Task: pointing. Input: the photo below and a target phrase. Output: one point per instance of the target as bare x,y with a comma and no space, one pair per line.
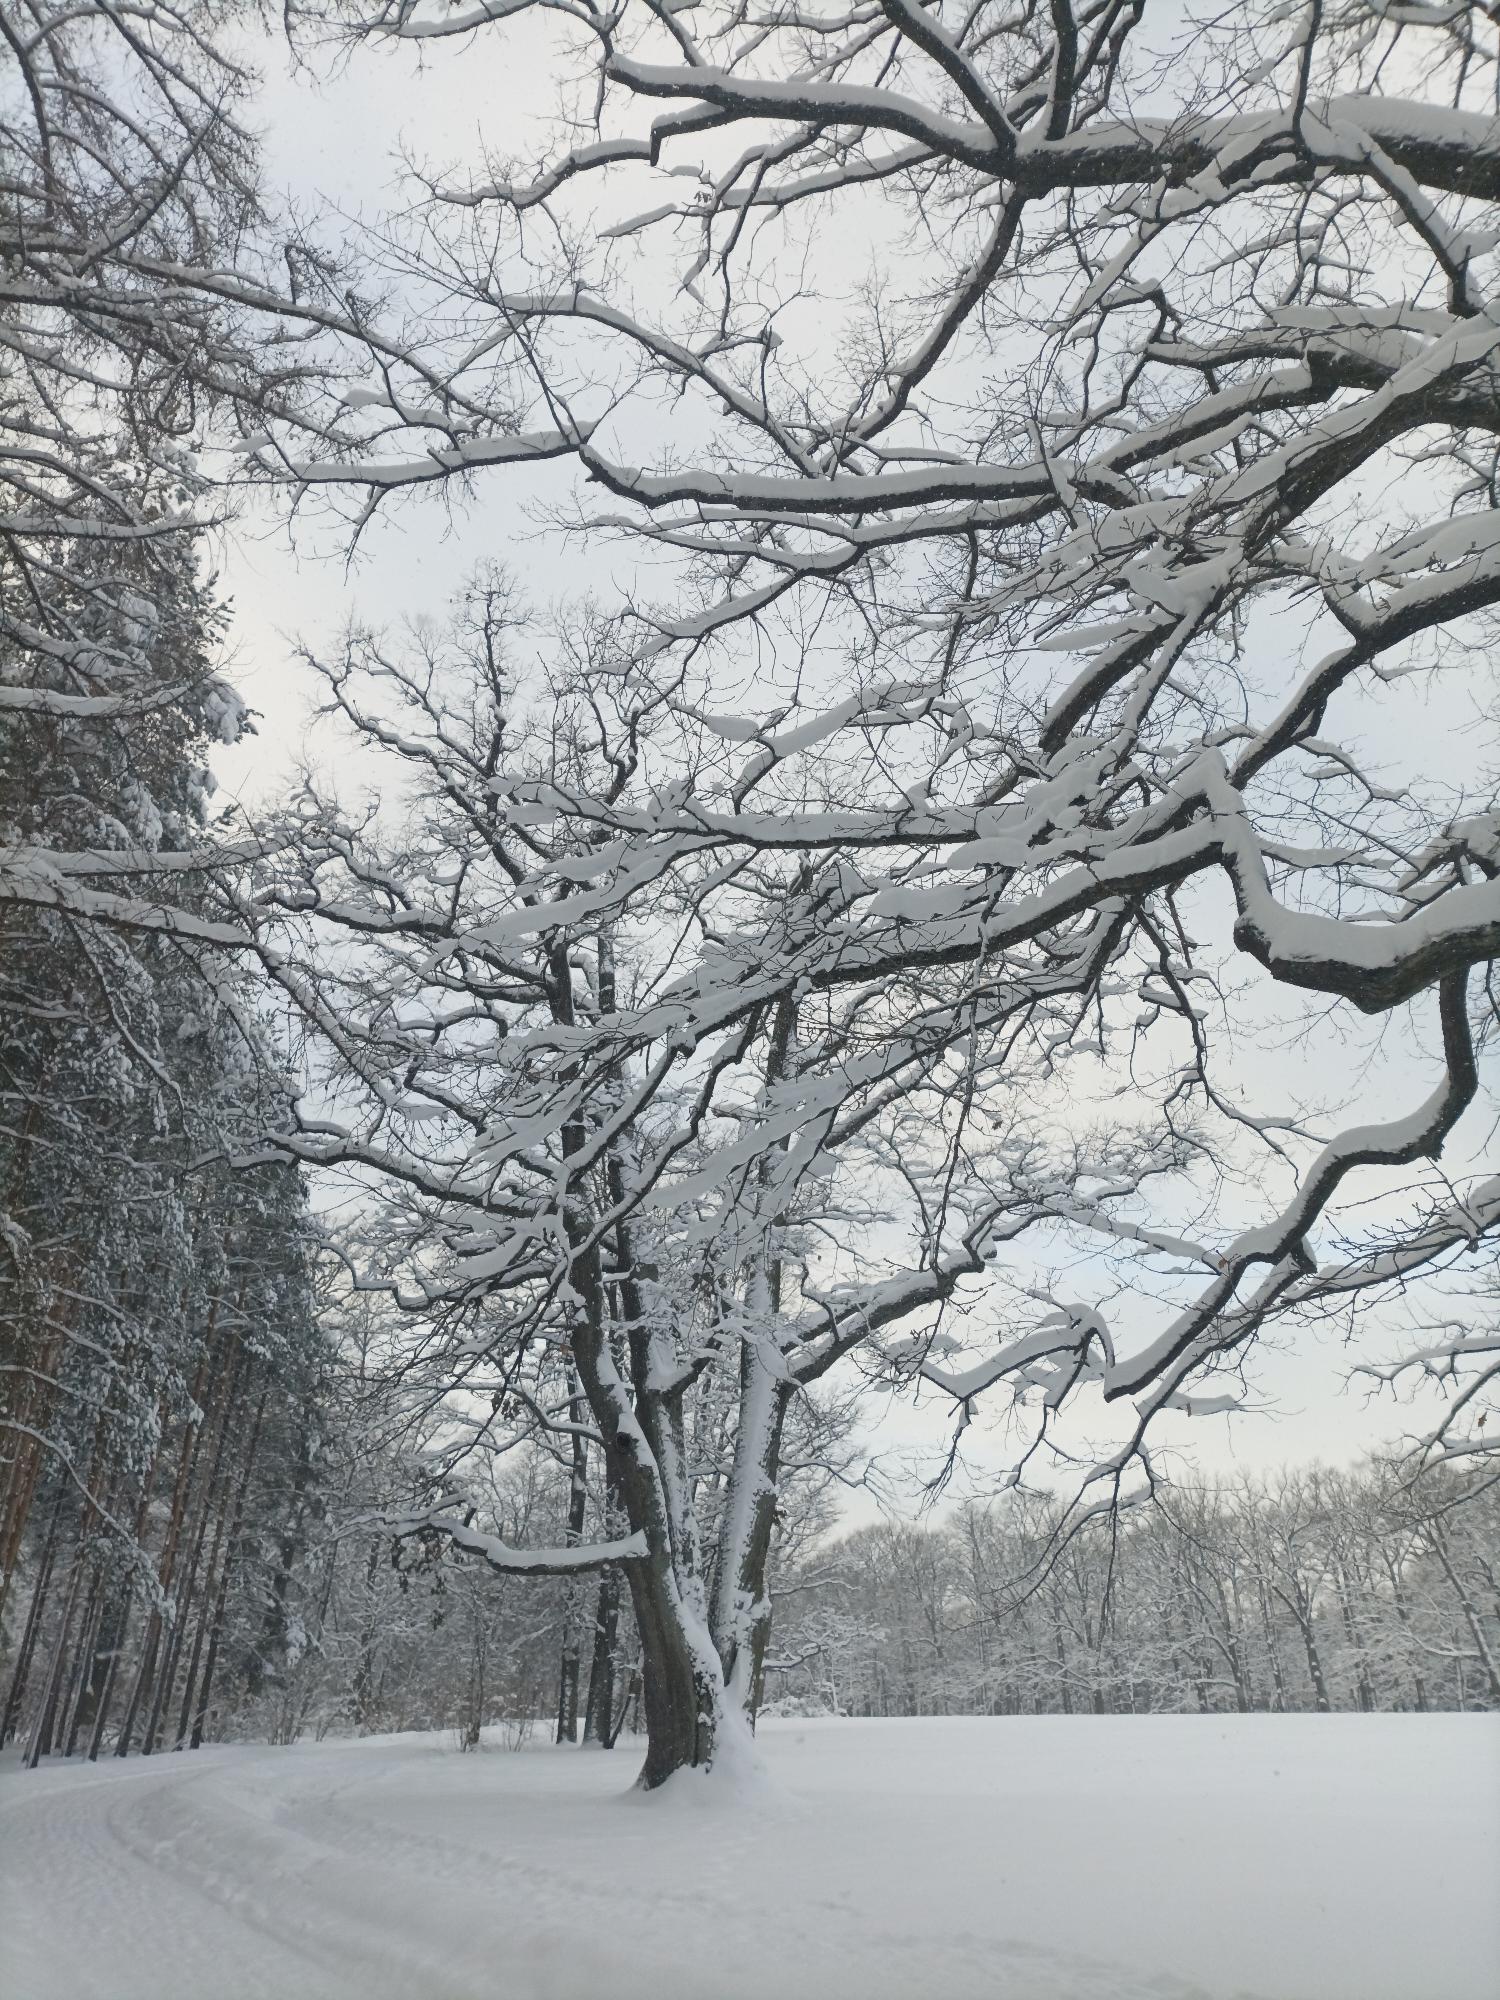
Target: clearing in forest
1297,1857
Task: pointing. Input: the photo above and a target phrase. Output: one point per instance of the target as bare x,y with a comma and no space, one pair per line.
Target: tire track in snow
74,1880
732,1946
312,1875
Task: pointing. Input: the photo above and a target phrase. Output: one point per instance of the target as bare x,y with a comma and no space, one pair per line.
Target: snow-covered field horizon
1345,1857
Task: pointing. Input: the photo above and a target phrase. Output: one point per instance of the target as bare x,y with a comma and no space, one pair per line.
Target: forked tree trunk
640,1425
682,1691
645,1462
692,1718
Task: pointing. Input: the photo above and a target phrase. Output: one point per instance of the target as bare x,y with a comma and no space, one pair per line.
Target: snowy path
1169,1858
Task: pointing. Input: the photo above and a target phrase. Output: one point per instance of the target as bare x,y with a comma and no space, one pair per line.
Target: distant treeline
1311,1589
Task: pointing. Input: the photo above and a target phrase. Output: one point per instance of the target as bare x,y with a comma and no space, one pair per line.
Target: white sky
335,143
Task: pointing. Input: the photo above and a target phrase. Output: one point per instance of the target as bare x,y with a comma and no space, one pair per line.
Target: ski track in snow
1095,1858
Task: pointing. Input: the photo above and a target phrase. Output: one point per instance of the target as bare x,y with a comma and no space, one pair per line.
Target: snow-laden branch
500,1556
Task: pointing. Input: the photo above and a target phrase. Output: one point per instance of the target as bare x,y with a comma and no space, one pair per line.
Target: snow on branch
852,938
500,1555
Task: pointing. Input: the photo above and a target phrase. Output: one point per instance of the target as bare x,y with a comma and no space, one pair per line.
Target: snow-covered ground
1291,1857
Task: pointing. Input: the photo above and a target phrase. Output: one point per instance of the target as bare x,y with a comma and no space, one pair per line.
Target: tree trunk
118,1626
1268,1629
578,1492
87,1670
1364,1693
184,1595
236,1531
186,1464
1403,1613
15,1698
598,1717
1303,1614
1438,1541
1064,1687
742,1604
120,1615
362,1684
683,1683
42,1730
205,1619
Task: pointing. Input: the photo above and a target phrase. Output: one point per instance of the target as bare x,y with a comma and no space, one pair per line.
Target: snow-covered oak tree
592,1258
1056,462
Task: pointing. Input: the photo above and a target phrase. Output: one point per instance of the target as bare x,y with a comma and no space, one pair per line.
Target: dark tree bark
187,1461
236,1532
578,1494
598,1719
16,1694
208,1495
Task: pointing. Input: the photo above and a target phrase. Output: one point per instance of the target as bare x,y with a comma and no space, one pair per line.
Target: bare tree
1368,1603
993,761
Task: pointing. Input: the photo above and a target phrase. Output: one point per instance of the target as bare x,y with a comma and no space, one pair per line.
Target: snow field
1050,1858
